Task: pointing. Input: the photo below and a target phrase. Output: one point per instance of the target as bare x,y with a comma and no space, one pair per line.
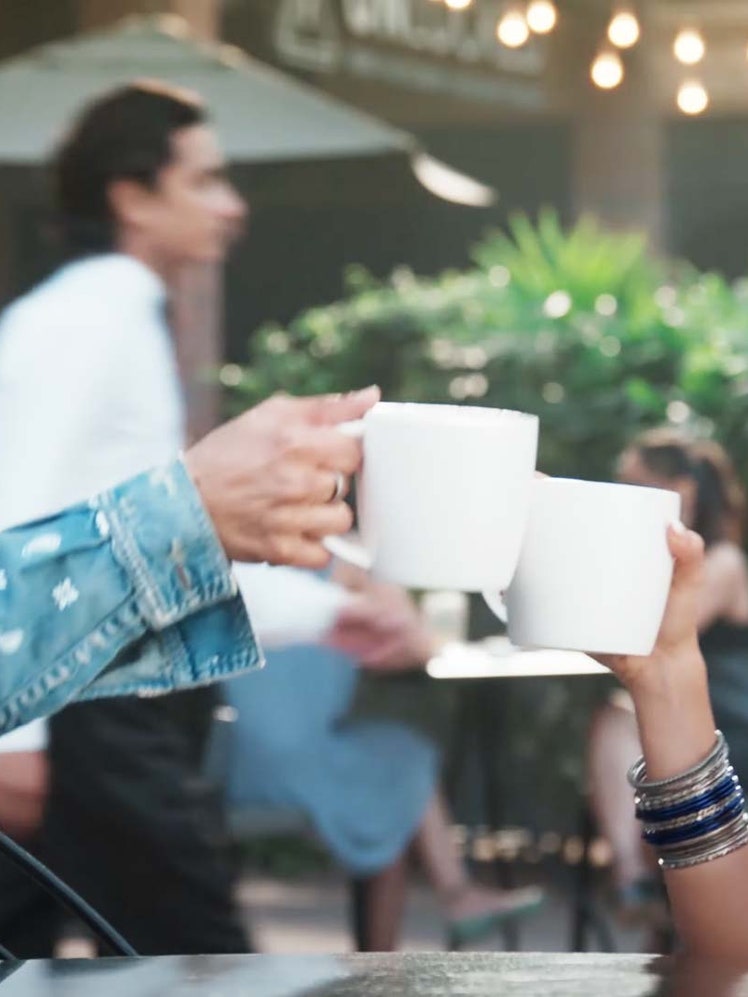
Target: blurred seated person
713,505
369,784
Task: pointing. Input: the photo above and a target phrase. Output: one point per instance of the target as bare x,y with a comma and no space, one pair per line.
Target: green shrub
583,328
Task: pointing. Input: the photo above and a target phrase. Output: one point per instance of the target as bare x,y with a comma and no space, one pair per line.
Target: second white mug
595,570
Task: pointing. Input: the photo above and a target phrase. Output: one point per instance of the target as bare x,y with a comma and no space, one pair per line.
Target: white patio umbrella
261,114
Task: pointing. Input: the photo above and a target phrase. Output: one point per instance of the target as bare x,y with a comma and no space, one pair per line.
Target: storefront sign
335,35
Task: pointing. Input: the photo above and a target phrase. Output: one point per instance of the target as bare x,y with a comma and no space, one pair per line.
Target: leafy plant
583,328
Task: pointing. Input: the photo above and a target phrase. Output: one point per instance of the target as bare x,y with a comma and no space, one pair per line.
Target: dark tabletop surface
402,975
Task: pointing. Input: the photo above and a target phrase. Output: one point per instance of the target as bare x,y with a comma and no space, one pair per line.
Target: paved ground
311,916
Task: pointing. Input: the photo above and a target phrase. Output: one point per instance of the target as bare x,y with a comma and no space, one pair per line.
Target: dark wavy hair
720,499
125,134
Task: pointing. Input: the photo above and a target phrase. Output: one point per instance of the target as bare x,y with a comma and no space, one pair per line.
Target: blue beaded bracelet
722,790
698,829
671,809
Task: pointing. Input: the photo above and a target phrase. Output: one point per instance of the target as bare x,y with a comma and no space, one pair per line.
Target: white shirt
30,737
289,606
89,394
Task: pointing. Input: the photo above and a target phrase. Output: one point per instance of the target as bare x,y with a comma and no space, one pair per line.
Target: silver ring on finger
340,486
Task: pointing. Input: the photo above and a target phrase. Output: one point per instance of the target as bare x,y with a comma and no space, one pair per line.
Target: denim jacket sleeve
128,594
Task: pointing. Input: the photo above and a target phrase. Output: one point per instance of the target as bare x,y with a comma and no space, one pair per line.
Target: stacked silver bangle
694,817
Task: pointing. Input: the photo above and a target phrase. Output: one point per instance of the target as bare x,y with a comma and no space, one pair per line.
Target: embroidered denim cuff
166,542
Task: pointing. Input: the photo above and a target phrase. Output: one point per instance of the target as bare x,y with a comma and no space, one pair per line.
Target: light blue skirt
364,785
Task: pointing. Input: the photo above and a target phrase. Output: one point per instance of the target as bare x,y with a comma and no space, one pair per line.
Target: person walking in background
713,505
90,395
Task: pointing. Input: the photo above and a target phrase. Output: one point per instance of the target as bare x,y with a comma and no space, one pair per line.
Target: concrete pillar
618,143
618,163
197,320
203,16
94,14
198,300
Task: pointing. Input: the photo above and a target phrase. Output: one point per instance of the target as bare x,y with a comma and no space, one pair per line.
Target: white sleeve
288,605
31,737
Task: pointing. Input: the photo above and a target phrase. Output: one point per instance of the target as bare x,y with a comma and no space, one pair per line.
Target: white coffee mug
443,495
595,569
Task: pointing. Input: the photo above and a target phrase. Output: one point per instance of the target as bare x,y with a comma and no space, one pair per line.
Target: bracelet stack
694,817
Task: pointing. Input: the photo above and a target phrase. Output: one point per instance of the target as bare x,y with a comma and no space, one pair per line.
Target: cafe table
391,975
497,657
475,664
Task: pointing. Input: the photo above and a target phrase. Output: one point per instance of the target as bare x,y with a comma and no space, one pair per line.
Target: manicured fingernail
366,396
677,527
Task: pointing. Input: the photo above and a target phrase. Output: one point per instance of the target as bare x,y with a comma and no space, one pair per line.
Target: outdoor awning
261,114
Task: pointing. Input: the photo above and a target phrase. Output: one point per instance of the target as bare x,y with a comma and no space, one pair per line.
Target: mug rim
487,414
620,486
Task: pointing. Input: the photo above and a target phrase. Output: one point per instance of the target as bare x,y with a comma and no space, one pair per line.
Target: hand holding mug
677,644
273,479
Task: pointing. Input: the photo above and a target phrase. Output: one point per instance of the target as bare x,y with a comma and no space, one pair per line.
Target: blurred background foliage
582,327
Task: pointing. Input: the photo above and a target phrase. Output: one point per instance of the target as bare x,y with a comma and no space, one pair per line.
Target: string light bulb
541,16
693,97
458,4
512,29
607,70
624,30
689,47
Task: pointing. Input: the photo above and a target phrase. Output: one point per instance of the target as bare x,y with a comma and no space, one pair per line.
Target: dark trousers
133,825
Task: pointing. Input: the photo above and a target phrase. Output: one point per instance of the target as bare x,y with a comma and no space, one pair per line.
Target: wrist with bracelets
694,817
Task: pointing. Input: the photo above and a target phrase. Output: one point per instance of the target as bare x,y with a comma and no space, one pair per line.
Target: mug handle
353,428
497,605
348,550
